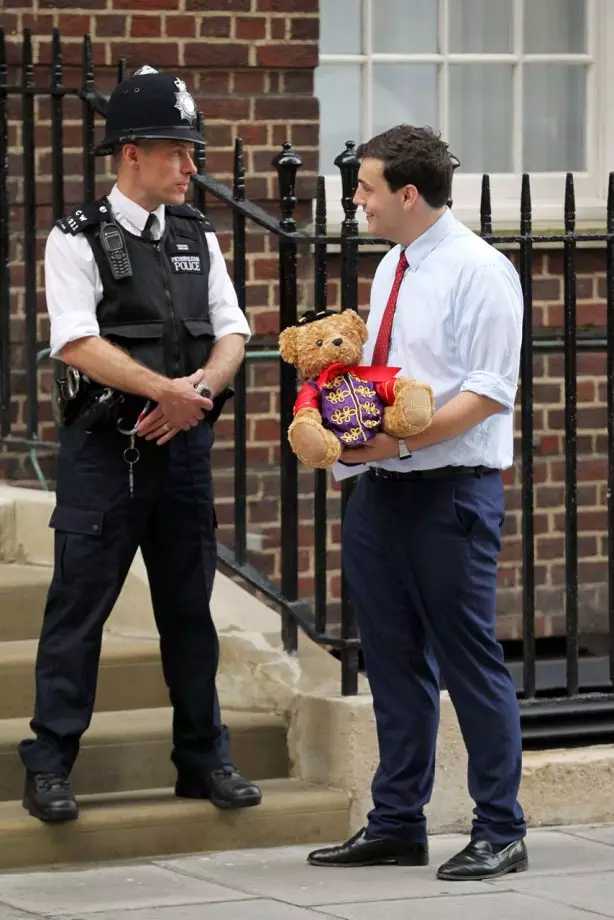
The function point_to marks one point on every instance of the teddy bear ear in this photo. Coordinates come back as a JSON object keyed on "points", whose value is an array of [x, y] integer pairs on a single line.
{"points": [[356, 323], [287, 345]]}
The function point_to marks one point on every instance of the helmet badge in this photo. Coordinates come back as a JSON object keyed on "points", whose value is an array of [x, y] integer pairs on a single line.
{"points": [[184, 102], [145, 69]]}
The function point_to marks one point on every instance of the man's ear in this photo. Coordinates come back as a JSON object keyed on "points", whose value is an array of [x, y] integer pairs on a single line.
{"points": [[288, 345], [410, 195], [356, 324]]}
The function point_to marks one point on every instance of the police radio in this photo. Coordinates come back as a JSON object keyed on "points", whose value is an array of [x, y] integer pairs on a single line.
{"points": [[114, 245]]}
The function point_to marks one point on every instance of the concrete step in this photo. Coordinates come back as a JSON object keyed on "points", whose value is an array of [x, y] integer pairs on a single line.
{"points": [[23, 592], [124, 751], [130, 676], [155, 823]]}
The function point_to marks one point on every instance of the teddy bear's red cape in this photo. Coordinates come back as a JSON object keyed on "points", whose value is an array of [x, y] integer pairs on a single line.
{"points": [[381, 377]]}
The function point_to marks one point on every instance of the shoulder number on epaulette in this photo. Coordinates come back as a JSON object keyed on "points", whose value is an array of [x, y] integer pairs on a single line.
{"points": [[83, 216]]}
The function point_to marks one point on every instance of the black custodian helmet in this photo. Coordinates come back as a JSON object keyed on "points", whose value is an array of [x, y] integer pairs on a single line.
{"points": [[149, 105]]}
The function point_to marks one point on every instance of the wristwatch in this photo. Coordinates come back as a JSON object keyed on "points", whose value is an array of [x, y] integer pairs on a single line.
{"points": [[203, 390], [404, 451]]}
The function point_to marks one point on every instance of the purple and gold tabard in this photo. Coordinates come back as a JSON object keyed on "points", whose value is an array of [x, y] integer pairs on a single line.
{"points": [[351, 409], [351, 400]]}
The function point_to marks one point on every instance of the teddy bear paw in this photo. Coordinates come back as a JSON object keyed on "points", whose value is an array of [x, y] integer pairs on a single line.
{"points": [[313, 445]]}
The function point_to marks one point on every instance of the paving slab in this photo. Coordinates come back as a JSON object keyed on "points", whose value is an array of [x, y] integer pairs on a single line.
{"points": [[11, 913], [285, 875], [589, 891], [555, 853], [508, 905], [110, 889], [602, 833], [247, 910]]}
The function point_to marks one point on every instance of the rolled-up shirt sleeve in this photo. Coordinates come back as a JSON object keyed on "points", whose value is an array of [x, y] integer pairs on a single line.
{"points": [[488, 327], [224, 312], [71, 289]]}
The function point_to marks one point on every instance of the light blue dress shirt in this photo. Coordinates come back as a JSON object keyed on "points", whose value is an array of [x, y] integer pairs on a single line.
{"points": [[457, 326]]}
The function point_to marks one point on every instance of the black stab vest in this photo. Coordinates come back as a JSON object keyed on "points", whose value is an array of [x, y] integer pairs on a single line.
{"points": [[160, 315]]}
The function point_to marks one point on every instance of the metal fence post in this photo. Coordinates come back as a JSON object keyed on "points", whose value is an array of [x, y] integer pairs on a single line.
{"points": [[287, 163]]}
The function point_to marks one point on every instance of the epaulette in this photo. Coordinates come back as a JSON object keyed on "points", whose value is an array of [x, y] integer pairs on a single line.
{"points": [[83, 216], [191, 213]]}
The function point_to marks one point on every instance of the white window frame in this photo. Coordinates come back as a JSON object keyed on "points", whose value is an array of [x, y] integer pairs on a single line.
{"points": [[547, 188]]}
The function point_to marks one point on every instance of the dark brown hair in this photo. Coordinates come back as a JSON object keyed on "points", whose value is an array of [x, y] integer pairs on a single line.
{"points": [[414, 156]]}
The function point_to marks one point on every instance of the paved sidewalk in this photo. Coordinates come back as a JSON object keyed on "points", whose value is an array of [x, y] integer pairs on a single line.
{"points": [[571, 877]]}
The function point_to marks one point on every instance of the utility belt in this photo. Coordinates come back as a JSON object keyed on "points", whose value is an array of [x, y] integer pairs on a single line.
{"points": [[79, 402]]}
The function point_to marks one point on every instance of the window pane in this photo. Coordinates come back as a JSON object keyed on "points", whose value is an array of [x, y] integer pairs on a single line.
{"points": [[481, 26], [341, 26], [404, 26], [481, 101], [555, 26], [339, 89], [404, 93], [554, 117]]}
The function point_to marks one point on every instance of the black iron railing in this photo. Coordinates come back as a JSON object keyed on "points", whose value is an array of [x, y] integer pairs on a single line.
{"points": [[580, 703]]}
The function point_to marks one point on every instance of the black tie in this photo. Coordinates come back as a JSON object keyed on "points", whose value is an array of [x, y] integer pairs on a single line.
{"points": [[147, 234]]}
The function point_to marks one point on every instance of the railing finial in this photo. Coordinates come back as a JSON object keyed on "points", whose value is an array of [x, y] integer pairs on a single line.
{"points": [[238, 189], [485, 207], [348, 164], [88, 64], [526, 211], [287, 163], [570, 204], [610, 205]]}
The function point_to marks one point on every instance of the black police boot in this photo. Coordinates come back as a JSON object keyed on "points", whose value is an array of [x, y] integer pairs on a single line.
{"points": [[49, 798], [224, 786]]}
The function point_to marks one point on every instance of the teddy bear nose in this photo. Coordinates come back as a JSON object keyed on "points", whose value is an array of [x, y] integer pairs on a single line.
{"points": [[337, 341]]}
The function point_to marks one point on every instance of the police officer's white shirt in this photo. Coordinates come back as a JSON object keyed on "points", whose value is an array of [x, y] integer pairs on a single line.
{"points": [[74, 288], [458, 327]]}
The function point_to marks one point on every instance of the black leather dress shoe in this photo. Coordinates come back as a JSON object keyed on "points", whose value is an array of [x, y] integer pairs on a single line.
{"points": [[361, 850], [49, 798], [224, 786], [484, 860]]}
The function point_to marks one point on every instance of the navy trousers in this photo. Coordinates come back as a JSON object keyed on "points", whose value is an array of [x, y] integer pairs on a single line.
{"points": [[420, 558], [98, 529]]}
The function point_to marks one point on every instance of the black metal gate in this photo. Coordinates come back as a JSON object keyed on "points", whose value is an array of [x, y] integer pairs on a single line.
{"points": [[575, 706]]}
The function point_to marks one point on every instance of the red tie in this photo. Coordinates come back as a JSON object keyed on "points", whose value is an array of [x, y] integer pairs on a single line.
{"points": [[382, 343]]}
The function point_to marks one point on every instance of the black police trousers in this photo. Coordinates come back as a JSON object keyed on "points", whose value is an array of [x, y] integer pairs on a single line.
{"points": [[98, 529]]}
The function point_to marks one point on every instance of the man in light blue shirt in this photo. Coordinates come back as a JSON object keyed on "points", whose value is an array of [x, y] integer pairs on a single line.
{"points": [[422, 530]]}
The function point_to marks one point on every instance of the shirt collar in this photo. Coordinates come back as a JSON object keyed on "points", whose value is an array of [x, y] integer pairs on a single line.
{"points": [[417, 251], [132, 214]]}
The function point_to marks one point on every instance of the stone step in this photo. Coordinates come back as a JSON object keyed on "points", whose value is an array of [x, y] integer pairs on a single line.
{"points": [[23, 592], [123, 751], [155, 823], [130, 676]]}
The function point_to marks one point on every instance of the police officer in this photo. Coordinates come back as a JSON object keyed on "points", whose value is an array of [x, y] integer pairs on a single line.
{"points": [[139, 301]]}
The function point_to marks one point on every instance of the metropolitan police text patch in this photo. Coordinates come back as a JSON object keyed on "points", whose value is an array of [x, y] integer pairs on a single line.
{"points": [[186, 262]]}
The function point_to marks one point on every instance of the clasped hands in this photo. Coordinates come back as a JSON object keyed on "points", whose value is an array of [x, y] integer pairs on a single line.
{"points": [[179, 408]]}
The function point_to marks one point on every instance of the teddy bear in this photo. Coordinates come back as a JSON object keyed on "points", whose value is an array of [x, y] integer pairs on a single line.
{"points": [[342, 404]]}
